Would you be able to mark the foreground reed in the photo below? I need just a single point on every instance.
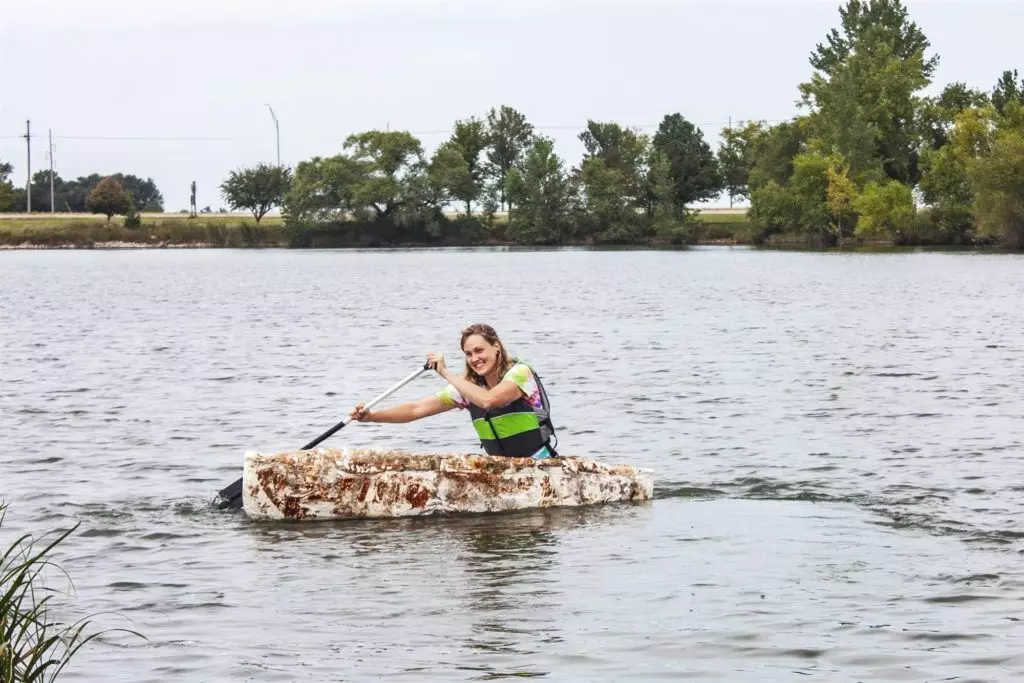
(34, 645)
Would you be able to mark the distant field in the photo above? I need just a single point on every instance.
(57, 219)
(724, 215)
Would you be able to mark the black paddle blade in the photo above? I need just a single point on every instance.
(231, 497)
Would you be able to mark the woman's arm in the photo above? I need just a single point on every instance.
(405, 412)
(503, 394)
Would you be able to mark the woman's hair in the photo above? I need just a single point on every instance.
(489, 335)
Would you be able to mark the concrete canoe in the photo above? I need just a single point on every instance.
(371, 483)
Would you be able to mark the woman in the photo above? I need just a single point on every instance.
(504, 397)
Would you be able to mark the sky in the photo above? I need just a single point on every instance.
(178, 91)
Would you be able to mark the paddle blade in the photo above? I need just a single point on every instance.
(231, 497)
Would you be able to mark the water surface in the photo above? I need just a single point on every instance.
(836, 439)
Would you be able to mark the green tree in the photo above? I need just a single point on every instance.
(610, 211)
(802, 202)
(998, 183)
(808, 188)
(736, 156)
(1007, 90)
(694, 168)
(886, 210)
(840, 196)
(612, 179)
(389, 163)
(511, 135)
(938, 115)
(109, 198)
(321, 189)
(144, 192)
(669, 220)
(469, 140)
(621, 149)
(6, 187)
(540, 189)
(865, 88)
(257, 189)
(771, 154)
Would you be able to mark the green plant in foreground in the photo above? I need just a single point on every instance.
(33, 645)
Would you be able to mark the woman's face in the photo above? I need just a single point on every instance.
(481, 355)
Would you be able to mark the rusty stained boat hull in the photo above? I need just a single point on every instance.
(371, 483)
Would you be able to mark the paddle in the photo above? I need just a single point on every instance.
(231, 496)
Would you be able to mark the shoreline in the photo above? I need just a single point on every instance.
(652, 246)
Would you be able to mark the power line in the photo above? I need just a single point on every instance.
(151, 138)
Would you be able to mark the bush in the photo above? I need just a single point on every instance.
(132, 219)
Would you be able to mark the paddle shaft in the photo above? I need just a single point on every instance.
(333, 430)
(231, 496)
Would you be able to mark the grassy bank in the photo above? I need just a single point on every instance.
(238, 231)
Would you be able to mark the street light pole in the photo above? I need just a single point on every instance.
(277, 129)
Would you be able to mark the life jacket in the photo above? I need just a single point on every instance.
(517, 429)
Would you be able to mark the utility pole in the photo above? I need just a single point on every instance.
(277, 128)
(28, 186)
(730, 189)
(53, 208)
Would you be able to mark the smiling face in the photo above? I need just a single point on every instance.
(481, 355)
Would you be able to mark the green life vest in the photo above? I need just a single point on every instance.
(517, 429)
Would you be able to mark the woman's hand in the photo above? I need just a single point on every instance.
(435, 361)
(360, 414)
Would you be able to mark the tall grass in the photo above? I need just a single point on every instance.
(34, 645)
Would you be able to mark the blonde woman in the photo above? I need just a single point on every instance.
(503, 395)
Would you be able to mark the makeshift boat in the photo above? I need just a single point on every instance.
(359, 483)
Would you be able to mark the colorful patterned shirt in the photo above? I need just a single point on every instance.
(519, 373)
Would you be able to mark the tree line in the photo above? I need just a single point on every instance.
(628, 188)
(868, 157)
(71, 196)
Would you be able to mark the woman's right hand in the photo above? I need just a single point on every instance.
(360, 413)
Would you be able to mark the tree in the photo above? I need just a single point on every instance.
(736, 156)
(669, 220)
(451, 178)
(886, 210)
(998, 182)
(6, 187)
(321, 189)
(257, 189)
(613, 182)
(694, 168)
(388, 163)
(144, 193)
(811, 201)
(1007, 90)
(469, 139)
(510, 137)
(772, 153)
(109, 198)
(840, 195)
(864, 23)
(865, 89)
(808, 189)
(939, 114)
(541, 190)
(610, 210)
(621, 150)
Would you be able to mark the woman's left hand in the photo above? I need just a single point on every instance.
(436, 362)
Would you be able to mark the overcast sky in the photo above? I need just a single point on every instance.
(200, 72)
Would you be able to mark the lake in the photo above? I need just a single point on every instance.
(837, 441)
